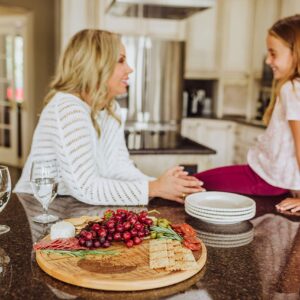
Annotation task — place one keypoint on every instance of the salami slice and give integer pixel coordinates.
(59, 244)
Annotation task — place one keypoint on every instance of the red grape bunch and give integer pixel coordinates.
(120, 225)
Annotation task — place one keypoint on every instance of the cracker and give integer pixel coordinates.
(171, 256)
(158, 254)
(159, 263)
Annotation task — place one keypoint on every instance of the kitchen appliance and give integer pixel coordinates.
(198, 98)
(163, 9)
(155, 87)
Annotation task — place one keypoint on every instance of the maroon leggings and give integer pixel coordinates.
(237, 179)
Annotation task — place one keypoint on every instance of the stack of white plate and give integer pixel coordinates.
(220, 207)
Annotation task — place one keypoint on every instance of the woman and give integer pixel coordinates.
(80, 127)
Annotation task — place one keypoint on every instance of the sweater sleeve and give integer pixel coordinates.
(79, 169)
(127, 167)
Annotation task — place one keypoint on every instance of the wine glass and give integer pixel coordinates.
(44, 182)
(5, 190)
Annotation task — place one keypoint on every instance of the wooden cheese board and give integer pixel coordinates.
(127, 271)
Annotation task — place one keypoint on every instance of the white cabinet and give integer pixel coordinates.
(289, 8)
(266, 13)
(201, 45)
(231, 140)
(227, 43)
(156, 164)
(236, 21)
(216, 134)
(245, 137)
(219, 40)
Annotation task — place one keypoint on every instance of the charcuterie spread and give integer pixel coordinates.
(123, 250)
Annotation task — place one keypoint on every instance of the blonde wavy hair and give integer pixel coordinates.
(84, 69)
(288, 31)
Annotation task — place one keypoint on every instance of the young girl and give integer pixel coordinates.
(80, 128)
(274, 162)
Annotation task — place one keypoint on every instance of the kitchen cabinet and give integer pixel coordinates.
(235, 26)
(231, 140)
(213, 133)
(245, 137)
(201, 42)
(289, 8)
(217, 41)
(231, 49)
(262, 22)
(155, 164)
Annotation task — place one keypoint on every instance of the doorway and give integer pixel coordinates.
(14, 87)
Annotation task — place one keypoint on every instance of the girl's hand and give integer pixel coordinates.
(175, 184)
(292, 204)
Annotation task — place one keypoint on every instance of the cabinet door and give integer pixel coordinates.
(236, 31)
(216, 134)
(245, 137)
(219, 135)
(191, 128)
(289, 8)
(263, 21)
(201, 40)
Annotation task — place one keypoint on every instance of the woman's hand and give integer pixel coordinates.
(292, 204)
(175, 184)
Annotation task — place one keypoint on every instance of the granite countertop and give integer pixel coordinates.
(162, 142)
(266, 268)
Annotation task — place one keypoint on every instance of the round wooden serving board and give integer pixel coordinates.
(127, 271)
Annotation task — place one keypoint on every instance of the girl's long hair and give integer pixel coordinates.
(288, 31)
(85, 67)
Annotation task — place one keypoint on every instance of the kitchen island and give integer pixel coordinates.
(266, 268)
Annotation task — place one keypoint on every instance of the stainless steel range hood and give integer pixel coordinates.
(162, 9)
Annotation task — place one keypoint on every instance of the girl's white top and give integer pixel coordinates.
(93, 170)
(274, 156)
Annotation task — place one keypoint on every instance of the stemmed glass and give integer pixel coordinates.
(44, 181)
(5, 190)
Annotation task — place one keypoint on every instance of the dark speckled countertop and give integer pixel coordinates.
(266, 268)
(163, 142)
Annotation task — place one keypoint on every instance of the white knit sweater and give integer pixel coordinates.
(93, 170)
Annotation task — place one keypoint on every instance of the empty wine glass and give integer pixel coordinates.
(44, 181)
(5, 190)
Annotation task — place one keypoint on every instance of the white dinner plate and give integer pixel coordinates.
(207, 214)
(218, 213)
(220, 201)
(218, 221)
